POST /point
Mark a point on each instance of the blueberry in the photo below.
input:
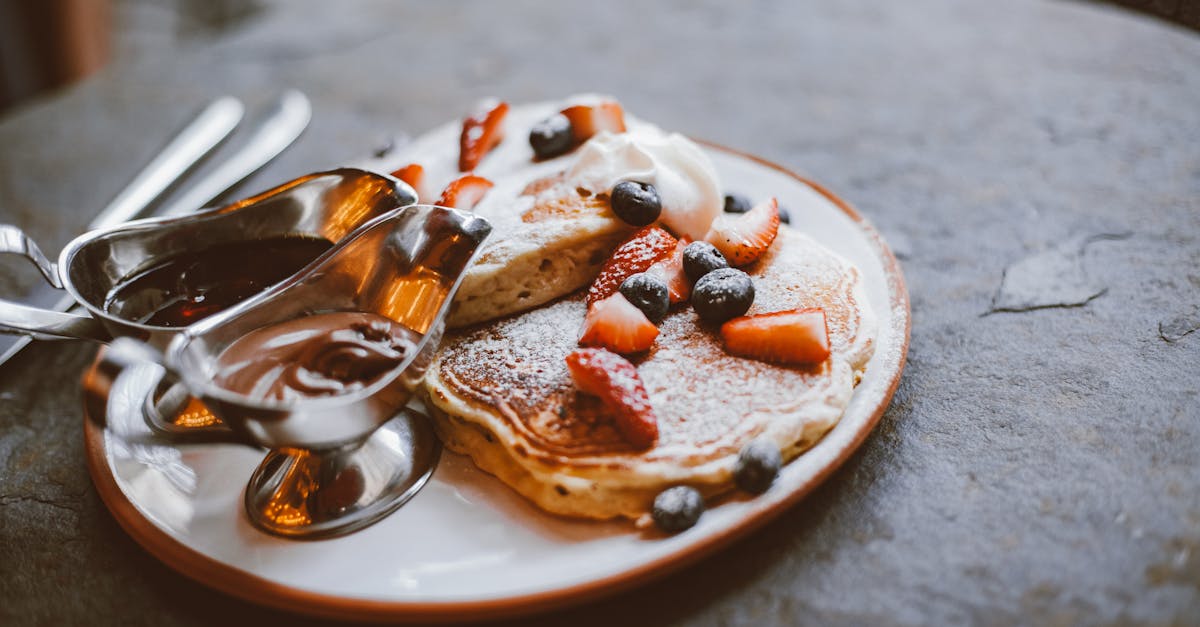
(551, 137)
(757, 466)
(678, 508)
(648, 293)
(784, 215)
(722, 294)
(736, 203)
(636, 203)
(700, 258)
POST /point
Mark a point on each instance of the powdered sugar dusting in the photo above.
(708, 403)
(829, 282)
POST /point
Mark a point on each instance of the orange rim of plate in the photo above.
(241, 584)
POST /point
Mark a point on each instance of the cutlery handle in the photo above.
(44, 324)
(284, 124)
(203, 134)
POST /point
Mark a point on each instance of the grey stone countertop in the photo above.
(1034, 164)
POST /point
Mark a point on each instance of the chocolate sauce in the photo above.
(314, 356)
(180, 290)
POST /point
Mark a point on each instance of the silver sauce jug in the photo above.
(337, 463)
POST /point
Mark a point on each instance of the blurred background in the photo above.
(46, 44)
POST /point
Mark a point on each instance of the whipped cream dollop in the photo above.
(683, 175)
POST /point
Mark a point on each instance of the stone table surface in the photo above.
(1035, 165)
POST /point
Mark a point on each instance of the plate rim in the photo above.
(246, 586)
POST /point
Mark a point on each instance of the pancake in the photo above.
(501, 393)
(547, 240)
(550, 236)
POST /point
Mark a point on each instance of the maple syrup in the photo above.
(180, 290)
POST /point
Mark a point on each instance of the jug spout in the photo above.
(430, 266)
(405, 265)
(455, 237)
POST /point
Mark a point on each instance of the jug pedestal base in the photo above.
(293, 493)
(319, 494)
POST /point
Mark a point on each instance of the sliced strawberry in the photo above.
(616, 381)
(414, 175)
(634, 255)
(744, 237)
(798, 336)
(618, 325)
(481, 132)
(594, 115)
(670, 270)
(464, 192)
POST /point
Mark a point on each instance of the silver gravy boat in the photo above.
(328, 205)
(337, 463)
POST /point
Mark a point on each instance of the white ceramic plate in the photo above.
(467, 546)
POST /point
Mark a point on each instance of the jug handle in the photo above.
(127, 352)
(44, 324)
(158, 409)
(14, 240)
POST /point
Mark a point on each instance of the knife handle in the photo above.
(44, 324)
(283, 125)
(199, 137)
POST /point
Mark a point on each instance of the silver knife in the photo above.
(289, 118)
(213, 124)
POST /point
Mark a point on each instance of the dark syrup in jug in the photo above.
(183, 289)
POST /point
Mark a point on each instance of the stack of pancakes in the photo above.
(500, 391)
